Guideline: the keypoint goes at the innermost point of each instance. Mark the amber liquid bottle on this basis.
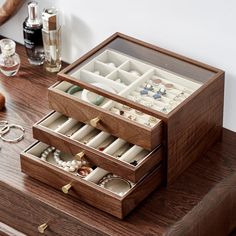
(32, 28)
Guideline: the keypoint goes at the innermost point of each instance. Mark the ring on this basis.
(16, 140)
(84, 171)
(3, 123)
(5, 128)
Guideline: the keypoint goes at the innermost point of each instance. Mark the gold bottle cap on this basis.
(50, 19)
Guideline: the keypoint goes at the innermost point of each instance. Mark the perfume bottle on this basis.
(32, 28)
(51, 40)
(9, 59)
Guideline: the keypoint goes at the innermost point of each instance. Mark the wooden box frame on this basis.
(185, 136)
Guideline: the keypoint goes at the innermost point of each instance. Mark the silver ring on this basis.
(16, 140)
(4, 130)
(3, 123)
(5, 127)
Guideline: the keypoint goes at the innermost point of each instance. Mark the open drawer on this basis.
(98, 147)
(116, 196)
(132, 125)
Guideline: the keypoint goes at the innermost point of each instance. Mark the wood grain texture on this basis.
(163, 210)
(28, 215)
(90, 192)
(133, 132)
(195, 127)
(97, 158)
(190, 128)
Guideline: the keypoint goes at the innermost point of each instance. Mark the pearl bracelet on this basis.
(69, 166)
(115, 184)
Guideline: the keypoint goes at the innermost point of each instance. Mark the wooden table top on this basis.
(200, 202)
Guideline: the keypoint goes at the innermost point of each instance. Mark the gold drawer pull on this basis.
(94, 122)
(42, 228)
(79, 156)
(65, 189)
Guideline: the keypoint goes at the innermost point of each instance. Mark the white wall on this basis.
(201, 29)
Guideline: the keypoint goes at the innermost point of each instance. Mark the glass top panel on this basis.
(143, 75)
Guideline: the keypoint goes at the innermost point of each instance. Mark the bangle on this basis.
(115, 184)
(73, 89)
(97, 101)
(15, 140)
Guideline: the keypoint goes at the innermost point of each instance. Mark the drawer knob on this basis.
(94, 122)
(42, 228)
(65, 189)
(79, 156)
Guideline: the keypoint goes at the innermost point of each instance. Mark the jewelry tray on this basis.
(102, 149)
(129, 85)
(87, 189)
(134, 131)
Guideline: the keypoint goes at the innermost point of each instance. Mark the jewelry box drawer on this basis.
(109, 193)
(119, 120)
(98, 147)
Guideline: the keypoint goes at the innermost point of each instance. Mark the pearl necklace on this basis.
(70, 166)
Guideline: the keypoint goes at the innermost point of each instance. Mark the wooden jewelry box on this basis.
(128, 108)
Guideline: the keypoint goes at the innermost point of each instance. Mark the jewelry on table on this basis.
(3, 123)
(115, 184)
(4, 127)
(15, 140)
(74, 89)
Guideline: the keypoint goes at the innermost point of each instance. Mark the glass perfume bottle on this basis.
(32, 28)
(51, 40)
(9, 59)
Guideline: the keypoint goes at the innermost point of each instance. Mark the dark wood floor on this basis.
(200, 202)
